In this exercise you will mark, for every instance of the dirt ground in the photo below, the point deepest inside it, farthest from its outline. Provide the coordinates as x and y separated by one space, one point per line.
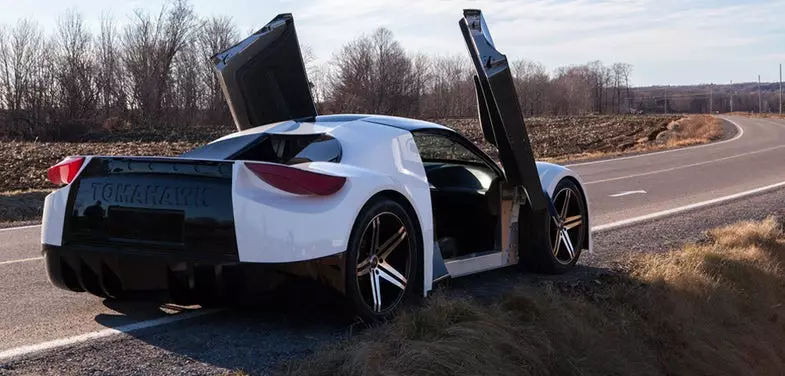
24 163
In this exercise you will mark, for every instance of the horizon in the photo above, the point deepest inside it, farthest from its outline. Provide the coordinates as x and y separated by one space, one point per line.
728 40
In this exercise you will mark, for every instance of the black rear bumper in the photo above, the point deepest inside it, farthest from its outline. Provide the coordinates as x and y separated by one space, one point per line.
136 273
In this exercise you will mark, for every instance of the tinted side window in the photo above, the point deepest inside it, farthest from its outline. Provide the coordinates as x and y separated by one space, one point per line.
434 147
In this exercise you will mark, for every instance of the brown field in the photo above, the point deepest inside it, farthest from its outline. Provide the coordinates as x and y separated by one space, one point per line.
707 309
24 163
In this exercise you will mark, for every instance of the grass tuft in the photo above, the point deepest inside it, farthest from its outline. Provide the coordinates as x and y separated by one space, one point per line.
694 130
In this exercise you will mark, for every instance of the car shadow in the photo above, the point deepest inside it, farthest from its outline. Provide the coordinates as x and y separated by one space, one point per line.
253 334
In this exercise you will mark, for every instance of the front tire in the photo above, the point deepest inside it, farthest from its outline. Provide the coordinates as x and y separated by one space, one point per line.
553 243
382 260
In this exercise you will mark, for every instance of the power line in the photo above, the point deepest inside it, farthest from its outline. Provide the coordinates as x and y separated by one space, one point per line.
760 100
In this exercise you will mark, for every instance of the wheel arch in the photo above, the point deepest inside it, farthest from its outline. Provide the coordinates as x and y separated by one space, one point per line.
550 176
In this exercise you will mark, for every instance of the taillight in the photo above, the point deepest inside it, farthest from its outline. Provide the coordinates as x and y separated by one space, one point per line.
295 180
64 172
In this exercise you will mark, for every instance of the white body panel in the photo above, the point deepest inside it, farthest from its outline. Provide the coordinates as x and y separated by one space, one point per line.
54 217
273 226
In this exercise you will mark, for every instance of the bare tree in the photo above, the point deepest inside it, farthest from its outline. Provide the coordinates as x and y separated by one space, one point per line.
215 34
450 92
149 50
187 91
374 74
350 81
19 52
75 73
571 90
111 95
532 82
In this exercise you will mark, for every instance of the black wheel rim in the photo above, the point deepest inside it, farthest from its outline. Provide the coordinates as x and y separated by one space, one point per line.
383 263
567 225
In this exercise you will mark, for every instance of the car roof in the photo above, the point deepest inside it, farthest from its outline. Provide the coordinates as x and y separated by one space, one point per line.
392 121
327 123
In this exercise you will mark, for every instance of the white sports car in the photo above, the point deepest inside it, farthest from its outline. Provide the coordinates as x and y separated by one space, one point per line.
377 207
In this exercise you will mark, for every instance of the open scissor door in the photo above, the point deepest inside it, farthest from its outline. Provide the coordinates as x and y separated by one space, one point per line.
499 109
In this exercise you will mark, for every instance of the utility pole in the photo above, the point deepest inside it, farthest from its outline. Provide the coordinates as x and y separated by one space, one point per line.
731 95
666 101
780 89
760 101
711 98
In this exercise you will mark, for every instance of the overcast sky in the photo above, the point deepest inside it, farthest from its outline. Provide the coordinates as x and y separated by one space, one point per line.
667 41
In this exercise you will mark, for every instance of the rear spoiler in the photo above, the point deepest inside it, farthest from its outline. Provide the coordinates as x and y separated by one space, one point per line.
499 109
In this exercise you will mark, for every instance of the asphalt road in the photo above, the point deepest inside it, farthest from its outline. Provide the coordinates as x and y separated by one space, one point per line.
677 178
34 316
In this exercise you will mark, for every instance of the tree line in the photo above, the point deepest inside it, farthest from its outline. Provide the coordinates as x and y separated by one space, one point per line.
155 73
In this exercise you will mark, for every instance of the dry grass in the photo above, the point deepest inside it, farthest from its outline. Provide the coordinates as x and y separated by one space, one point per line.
693 130
709 309
16 206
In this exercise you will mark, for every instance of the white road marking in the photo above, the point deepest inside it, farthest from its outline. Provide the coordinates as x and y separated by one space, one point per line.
686 166
18 228
22 260
627 193
664 213
736 137
48 345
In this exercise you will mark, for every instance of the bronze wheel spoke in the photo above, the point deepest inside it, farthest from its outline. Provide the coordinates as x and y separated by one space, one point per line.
572 222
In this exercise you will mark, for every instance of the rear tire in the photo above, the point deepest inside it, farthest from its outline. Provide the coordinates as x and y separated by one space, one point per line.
382 260
553 244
